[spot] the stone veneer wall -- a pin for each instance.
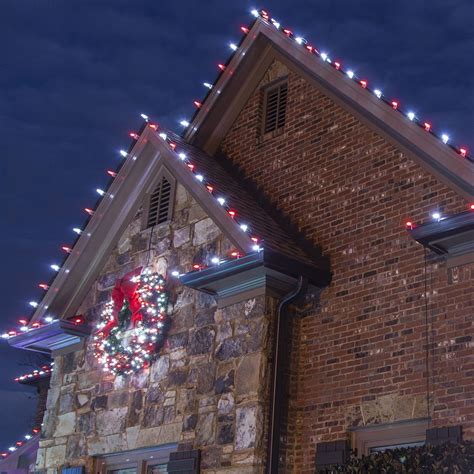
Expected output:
(207, 389)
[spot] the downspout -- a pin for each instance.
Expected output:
(278, 379)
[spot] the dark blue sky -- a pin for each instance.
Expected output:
(75, 76)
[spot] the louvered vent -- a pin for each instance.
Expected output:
(275, 107)
(159, 209)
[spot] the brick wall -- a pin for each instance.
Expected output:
(361, 355)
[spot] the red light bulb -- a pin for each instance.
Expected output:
(153, 126)
(427, 126)
(134, 135)
(66, 249)
(244, 29)
(43, 286)
(112, 173)
(197, 104)
(409, 225)
(363, 84)
(210, 188)
(463, 152)
(89, 211)
(394, 104)
(221, 66)
(232, 213)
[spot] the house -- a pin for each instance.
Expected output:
(290, 278)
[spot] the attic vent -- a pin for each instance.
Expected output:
(275, 107)
(160, 205)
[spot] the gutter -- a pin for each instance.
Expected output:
(277, 402)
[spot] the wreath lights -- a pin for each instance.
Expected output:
(133, 324)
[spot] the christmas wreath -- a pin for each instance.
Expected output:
(133, 324)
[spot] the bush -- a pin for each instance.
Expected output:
(446, 458)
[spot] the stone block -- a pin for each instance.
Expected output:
(205, 231)
(160, 368)
(111, 421)
(249, 375)
(169, 433)
(182, 236)
(201, 341)
(66, 424)
(55, 456)
(205, 429)
(246, 426)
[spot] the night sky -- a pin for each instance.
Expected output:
(76, 74)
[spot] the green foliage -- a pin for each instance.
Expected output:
(446, 458)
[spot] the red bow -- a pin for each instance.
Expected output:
(125, 288)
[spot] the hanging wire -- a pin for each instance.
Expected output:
(427, 337)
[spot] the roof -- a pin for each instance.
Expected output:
(251, 207)
(265, 41)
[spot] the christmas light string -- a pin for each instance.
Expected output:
(28, 437)
(394, 104)
(44, 371)
(264, 15)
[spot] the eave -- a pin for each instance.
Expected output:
(452, 236)
(263, 44)
(60, 335)
(252, 274)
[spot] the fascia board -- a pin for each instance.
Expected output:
(102, 232)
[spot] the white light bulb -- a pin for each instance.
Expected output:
(378, 93)
(350, 74)
(184, 123)
(445, 138)
(77, 230)
(99, 191)
(200, 177)
(175, 273)
(163, 136)
(254, 12)
(144, 117)
(215, 260)
(221, 201)
(276, 24)
(244, 227)
(324, 56)
(206, 84)
(233, 47)
(411, 115)
(256, 247)
(5, 335)
(34, 304)
(12, 449)
(55, 267)
(182, 156)
(436, 216)
(48, 319)
(299, 40)
(123, 153)
(24, 328)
